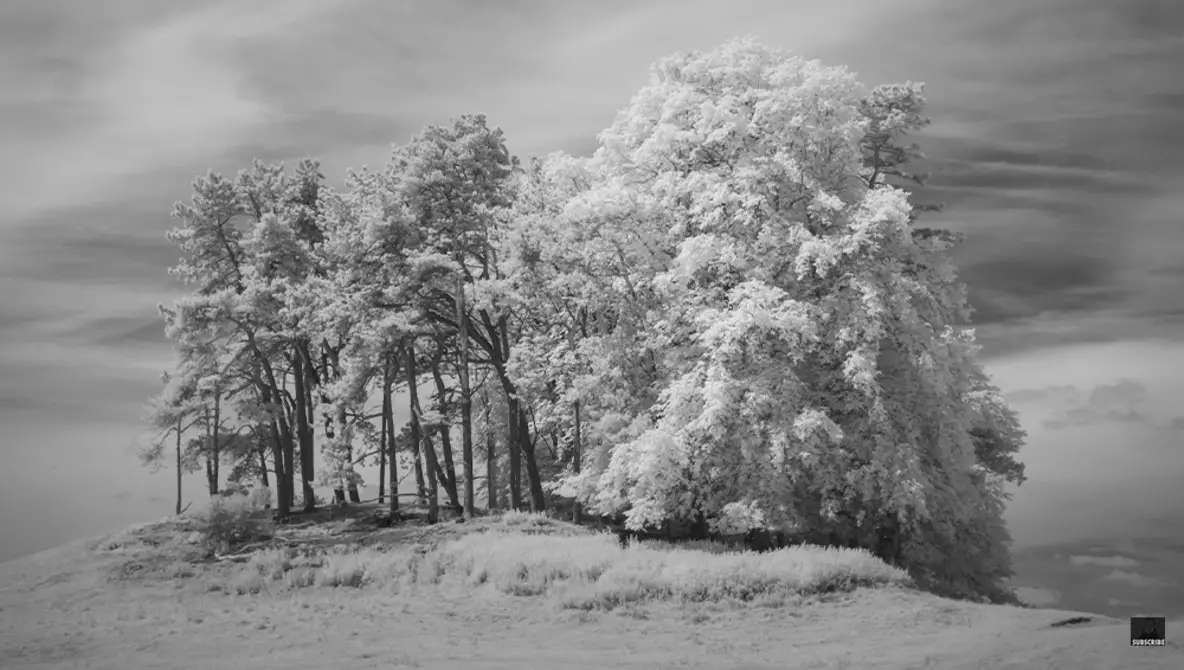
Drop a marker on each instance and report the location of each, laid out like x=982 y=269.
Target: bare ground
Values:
x=85 y=605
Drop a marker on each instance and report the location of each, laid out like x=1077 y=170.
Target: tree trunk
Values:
x=512 y=424
x=382 y=452
x=466 y=397
x=429 y=454
x=449 y=480
x=303 y=431
x=446 y=472
x=216 y=438
x=211 y=478
x=421 y=483
x=180 y=418
x=575 y=461
x=515 y=450
x=389 y=419
x=351 y=485
x=283 y=502
x=261 y=447
x=538 y=499
x=490 y=457
x=441 y=475
x=283 y=432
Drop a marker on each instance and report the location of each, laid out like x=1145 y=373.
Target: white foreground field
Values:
x=511 y=596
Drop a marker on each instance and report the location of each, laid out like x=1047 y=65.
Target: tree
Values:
x=813 y=379
x=171 y=413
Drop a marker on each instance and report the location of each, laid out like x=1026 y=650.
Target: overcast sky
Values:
x=1055 y=146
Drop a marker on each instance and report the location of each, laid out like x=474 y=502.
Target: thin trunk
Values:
x=512 y=406
x=179 y=420
x=575 y=461
x=515 y=455
x=216 y=435
x=303 y=433
x=449 y=481
x=308 y=470
x=351 y=485
x=211 y=478
x=466 y=397
x=420 y=482
x=382 y=454
x=490 y=458
x=538 y=500
x=261 y=447
x=441 y=476
x=446 y=471
x=389 y=420
x=283 y=432
x=430 y=454
x=283 y=502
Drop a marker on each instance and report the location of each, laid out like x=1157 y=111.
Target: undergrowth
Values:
x=571 y=568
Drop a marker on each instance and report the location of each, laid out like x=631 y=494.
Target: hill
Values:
x=511 y=591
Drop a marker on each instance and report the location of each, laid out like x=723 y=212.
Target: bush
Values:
x=232 y=521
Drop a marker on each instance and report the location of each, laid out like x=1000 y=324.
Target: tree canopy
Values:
x=725 y=316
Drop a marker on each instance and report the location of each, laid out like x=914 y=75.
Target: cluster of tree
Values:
x=725 y=317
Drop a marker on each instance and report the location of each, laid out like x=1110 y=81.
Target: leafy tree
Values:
x=813 y=378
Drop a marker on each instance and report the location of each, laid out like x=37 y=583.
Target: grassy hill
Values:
x=509 y=591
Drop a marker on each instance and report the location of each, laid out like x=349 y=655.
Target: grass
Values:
x=531 y=555
x=514 y=590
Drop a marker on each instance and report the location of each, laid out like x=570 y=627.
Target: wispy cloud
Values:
x=1104 y=561
x=1136 y=579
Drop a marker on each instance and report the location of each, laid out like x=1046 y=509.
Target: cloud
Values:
x=121 y=495
x=156 y=94
x=1135 y=579
x=1057 y=392
x=1121 y=402
x=1104 y=561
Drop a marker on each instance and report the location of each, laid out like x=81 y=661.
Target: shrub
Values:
x=232 y=520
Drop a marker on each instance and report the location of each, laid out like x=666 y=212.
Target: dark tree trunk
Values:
x=441 y=475
x=421 y=483
x=261 y=448
x=449 y=481
x=303 y=430
x=513 y=425
x=429 y=454
x=515 y=455
x=351 y=486
x=216 y=438
x=466 y=396
x=538 y=500
x=211 y=475
x=286 y=443
x=490 y=457
x=447 y=472
x=283 y=502
x=575 y=461
x=389 y=420
x=382 y=453
x=179 y=430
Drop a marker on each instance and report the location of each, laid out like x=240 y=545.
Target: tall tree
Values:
x=812 y=377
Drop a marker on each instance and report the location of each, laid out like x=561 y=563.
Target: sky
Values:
x=1054 y=147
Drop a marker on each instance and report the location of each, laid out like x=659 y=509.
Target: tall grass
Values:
x=577 y=571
